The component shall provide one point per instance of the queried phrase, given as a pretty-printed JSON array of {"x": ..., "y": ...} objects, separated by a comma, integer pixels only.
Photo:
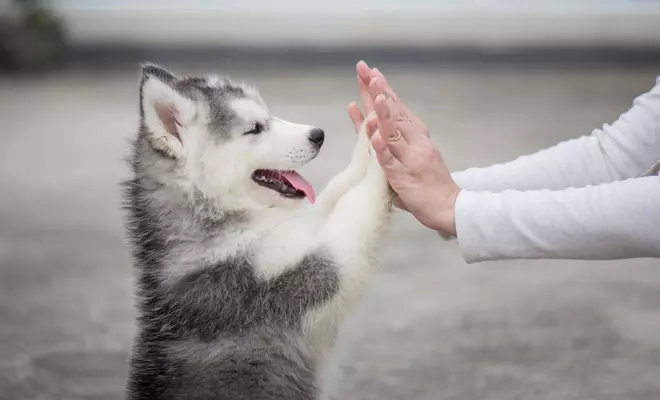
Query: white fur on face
[
  {"x": 286, "y": 145},
  {"x": 222, "y": 167},
  {"x": 282, "y": 145},
  {"x": 225, "y": 167}
]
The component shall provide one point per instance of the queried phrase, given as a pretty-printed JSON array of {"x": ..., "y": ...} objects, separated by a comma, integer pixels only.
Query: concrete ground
[{"x": 430, "y": 327}]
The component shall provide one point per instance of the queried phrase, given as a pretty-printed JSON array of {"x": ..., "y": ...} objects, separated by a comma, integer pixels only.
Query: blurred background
[{"x": 493, "y": 80}]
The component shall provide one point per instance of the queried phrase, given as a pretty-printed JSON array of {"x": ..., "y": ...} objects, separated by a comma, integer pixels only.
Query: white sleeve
[
  {"x": 610, "y": 221},
  {"x": 626, "y": 149}
]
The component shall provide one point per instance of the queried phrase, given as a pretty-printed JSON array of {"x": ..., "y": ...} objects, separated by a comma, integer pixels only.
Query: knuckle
[
  {"x": 425, "y": 156},
  {"x": 400, "y": 117},
  {"x": 427, "y": 152}
]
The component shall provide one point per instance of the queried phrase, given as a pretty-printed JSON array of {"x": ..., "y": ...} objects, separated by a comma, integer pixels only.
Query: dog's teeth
[{"x": 276, "y": 184}]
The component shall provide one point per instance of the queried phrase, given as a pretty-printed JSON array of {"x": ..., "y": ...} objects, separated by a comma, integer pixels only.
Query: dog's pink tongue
[{"x": 301, "y": 184}]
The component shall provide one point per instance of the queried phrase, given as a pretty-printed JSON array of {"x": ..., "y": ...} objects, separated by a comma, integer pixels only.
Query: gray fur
[
  {"x": 217, "y": 331},
  {"x": 217, "y": 95}
]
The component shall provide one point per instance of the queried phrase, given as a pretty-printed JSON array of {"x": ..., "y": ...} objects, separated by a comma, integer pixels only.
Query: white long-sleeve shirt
[{"x": 595, "y": 197}]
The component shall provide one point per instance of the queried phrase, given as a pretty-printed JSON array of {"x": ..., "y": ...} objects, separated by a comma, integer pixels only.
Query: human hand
[
  {"x": 354, "y": 112},
  {"x": 414, "y": 168},
  {"x": 365, "y": 75}
]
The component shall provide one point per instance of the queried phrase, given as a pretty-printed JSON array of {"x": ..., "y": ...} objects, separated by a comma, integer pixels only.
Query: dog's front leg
[
  {"x": 341, "y": 183},
  {"x": 350, "y": 235},
  {"x": 357, "y": 224}
]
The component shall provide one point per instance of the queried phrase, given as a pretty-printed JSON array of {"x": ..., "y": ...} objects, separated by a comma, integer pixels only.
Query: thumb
[{"x": 356, "y": 116}]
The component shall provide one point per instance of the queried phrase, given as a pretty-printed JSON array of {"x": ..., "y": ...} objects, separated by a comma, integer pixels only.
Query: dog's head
[{"x": 223, "y": 140}]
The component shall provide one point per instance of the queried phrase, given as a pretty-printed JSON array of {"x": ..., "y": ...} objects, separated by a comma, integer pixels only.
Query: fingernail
[{"x": 361, "y": 65}]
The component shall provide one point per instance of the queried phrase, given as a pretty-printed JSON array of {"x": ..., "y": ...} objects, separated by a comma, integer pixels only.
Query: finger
[
  {"x": 405, "y": 115},
  {"x": 367, "y": 101},
  {"x": 356, "y": 116},
  {"x": 385, "y": 157},
  {"x": 410, "y": 127},
  {"x": 363, "y": 71},
  {"x": 395, "y": 142},
  {"x": 414, "y": 133},
  {"x": 390, "y": 165},
  {"x": 363, "y": 74},
  {"x": 401, "y": 123},
  {"x": 375, "y": 73},
  {"x": 372, "y": 126},
  {"x": 388, "y": 90},
  {"x": 380, "y": 85},
  {"x": 384, "y": 87},
  {"x": 376, "y": 88}
]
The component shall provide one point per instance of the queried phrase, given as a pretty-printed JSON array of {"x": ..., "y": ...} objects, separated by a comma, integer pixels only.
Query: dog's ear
[{"x": 165, "y": 112}]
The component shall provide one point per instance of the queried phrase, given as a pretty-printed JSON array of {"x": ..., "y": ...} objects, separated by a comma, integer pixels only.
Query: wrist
[{"x": 445, "y": 220}]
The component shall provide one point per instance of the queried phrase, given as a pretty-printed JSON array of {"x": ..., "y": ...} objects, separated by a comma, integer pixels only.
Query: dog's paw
[
  {"x": 375, "y": 170},
  {"x": 362, "y": 150}
]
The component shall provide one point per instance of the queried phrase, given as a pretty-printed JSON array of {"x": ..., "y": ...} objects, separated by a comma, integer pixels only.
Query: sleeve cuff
[{"x": 476, "y": 215}]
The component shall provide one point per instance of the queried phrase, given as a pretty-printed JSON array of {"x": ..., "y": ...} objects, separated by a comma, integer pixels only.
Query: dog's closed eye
[{"x": 256, "y": 129}]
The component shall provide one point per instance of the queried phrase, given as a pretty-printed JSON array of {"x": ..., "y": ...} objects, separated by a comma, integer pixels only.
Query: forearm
[
  {"x": 610, "y": 221},
  {"x": 626, "y": 149},
  {"x": 574, "y": 163}
]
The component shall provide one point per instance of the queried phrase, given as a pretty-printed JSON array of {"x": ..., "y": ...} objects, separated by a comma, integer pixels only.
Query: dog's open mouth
[{"x": 287, "y": 183}]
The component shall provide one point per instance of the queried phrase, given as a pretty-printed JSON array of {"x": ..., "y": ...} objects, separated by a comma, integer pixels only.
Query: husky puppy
[{"x": 241, "y": 282}]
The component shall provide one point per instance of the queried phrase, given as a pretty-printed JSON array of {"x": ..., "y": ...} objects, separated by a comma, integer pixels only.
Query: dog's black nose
[{"x": 317, "y": 136}]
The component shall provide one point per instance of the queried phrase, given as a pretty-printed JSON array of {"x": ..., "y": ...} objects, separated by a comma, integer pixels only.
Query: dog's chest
[{"x": 283, "y": 247}]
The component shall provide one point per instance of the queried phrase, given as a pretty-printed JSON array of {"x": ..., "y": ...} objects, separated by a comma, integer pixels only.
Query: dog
[{"x": 242, "y": 275}]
